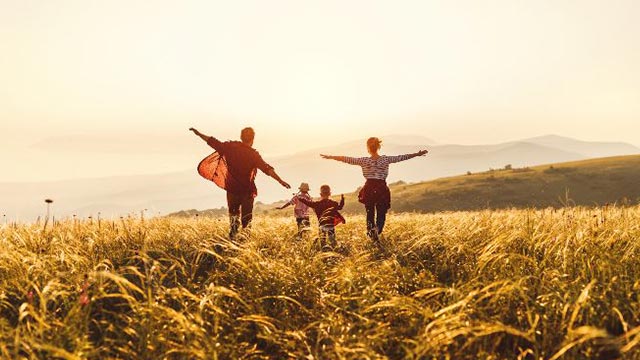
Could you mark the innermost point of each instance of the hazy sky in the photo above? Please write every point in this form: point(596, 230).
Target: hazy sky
point(304, 73)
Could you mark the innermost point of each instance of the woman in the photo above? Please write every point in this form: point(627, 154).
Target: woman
point(375, 194)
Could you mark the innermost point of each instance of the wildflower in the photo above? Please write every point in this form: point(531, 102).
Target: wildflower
point(84, 298)
point(84, 294)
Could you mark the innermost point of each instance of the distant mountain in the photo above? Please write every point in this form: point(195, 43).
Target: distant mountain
point(394, 139)
point(169, 192)
point(589, 149)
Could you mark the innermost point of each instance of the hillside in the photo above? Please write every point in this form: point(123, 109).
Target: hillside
point(588, 182)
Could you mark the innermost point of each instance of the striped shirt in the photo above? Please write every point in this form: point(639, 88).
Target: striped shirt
point(376, 168)
point(301, 210)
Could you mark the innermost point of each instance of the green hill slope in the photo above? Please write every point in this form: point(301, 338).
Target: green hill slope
point(589, 182)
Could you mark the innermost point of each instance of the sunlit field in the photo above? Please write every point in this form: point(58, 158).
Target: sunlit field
point(518, 284)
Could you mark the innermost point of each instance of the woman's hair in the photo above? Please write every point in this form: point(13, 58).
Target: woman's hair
point(373, 144)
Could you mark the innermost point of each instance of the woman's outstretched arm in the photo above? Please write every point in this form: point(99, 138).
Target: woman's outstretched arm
point(332, 157)
point(344, 159)
point(398, 158)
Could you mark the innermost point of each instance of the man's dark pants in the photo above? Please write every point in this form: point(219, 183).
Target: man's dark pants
point(240, 211)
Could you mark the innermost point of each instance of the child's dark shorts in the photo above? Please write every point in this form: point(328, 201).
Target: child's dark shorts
point(304, 221)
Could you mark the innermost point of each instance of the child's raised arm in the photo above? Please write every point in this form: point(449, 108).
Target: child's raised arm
point(284, 206)
point(309, 203)
point(341, 204)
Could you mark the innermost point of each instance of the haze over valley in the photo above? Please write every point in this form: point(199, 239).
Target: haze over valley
point(163, 193)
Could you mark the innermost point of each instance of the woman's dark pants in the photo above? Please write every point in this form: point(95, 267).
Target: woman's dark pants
point(375, 225)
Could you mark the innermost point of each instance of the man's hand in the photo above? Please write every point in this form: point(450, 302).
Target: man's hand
point(271, 172)
point(422, 153)
point(201, 135)
point(326, 156)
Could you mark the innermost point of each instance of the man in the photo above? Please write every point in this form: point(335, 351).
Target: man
point(233, 167)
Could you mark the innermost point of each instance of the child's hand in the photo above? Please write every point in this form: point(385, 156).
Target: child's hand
point(342, 196)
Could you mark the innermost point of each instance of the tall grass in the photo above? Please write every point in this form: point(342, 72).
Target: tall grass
point(514, 284)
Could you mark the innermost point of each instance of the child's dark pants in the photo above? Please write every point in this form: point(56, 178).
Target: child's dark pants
point(327, 235)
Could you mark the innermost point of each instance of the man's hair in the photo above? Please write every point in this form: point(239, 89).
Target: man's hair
point(373, 144)
point(325, 189)
point(247, 134)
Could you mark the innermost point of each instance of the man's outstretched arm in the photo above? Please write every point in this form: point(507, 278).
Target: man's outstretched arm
point(268, 169)
point(201, 135)
point(271, 172)
point(213, 142)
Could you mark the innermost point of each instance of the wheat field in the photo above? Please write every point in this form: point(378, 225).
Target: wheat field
point(511, 284)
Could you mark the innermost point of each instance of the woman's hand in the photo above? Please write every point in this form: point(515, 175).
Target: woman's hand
point(330, 157)
point(422, 153)
point(195, 131)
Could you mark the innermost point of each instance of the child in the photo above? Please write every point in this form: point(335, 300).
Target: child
point(300, 210)
point(328, 216)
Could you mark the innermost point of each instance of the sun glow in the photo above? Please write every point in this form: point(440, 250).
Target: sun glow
point(462, 72)
point(312, 90)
